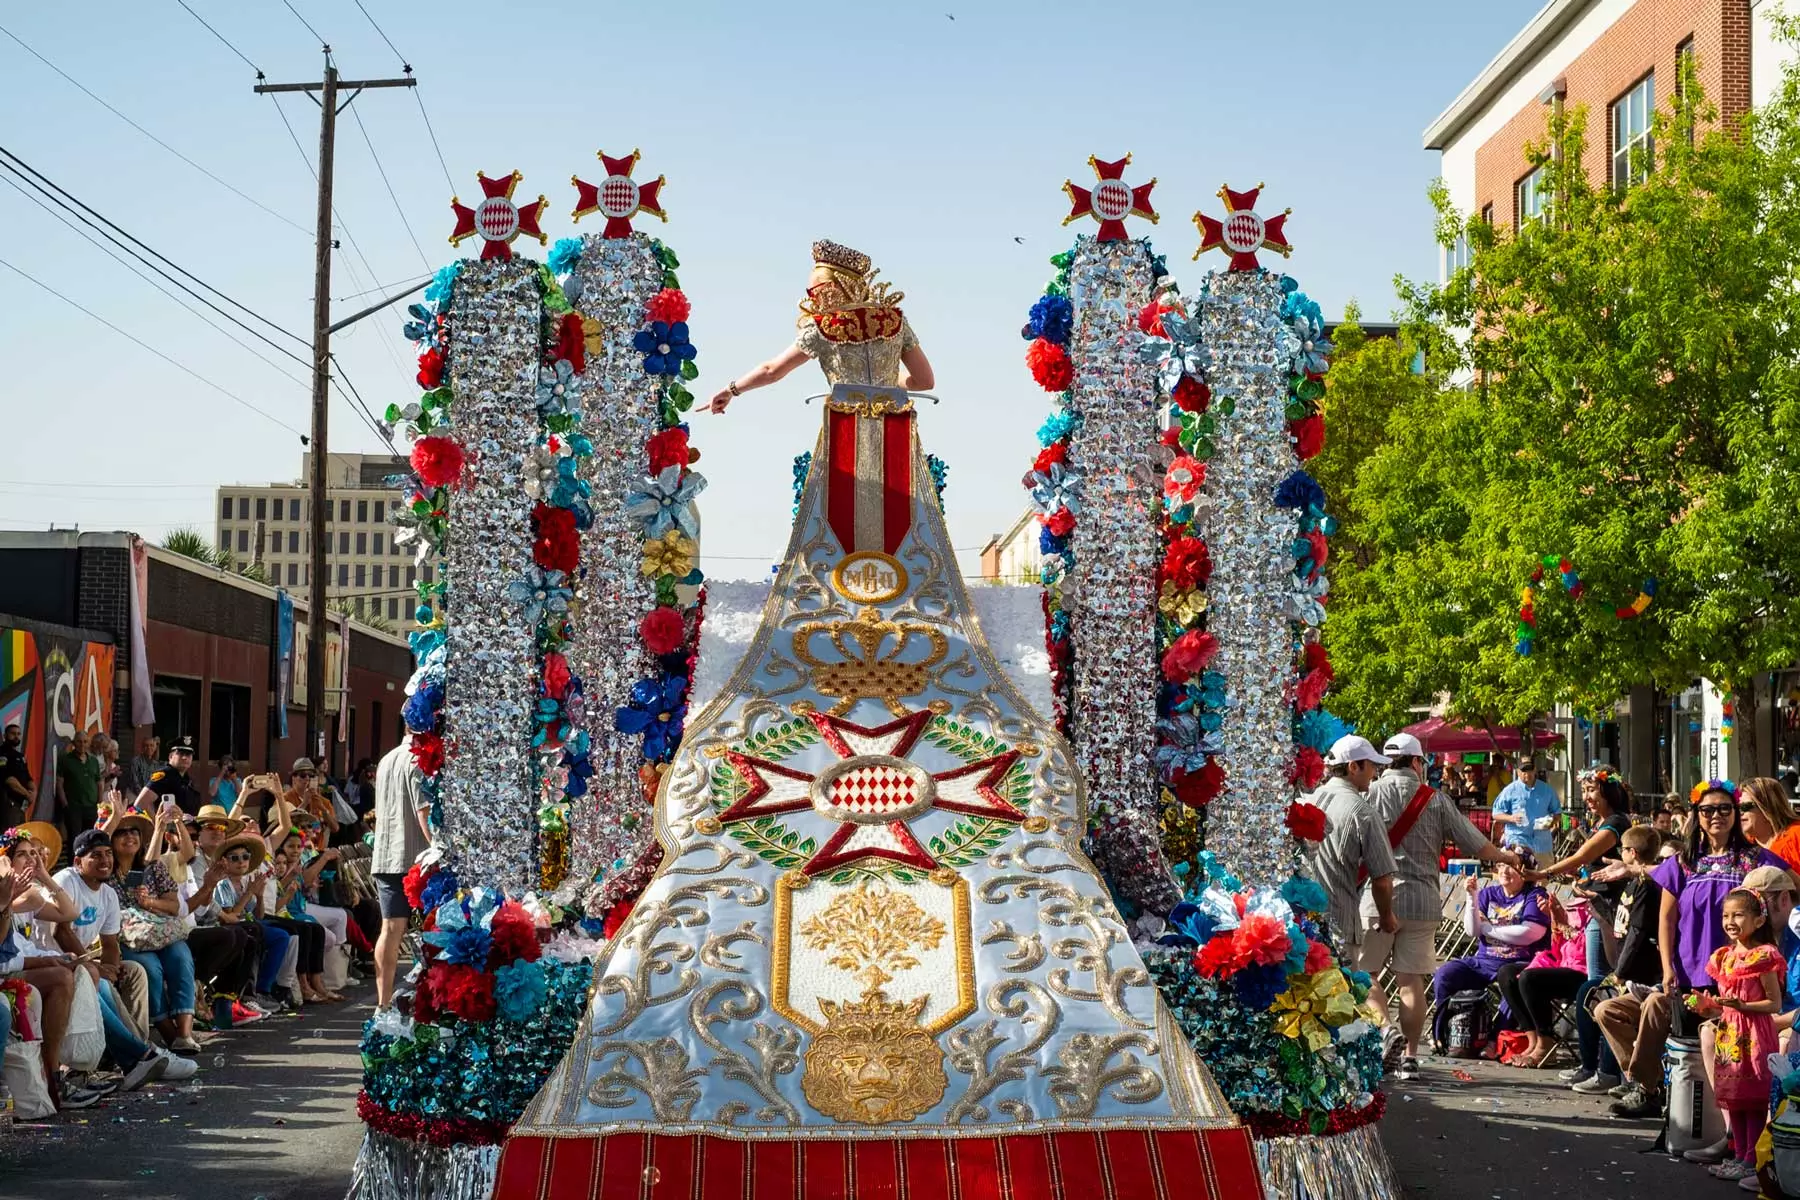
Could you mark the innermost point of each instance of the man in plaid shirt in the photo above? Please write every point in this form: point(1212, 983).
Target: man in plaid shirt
point(1425, 819)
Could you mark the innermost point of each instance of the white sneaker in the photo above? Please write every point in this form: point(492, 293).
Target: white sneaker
point(177, 1068)
point(1751, 1184)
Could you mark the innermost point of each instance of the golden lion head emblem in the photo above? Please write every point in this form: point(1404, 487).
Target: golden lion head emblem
point(873, 1063)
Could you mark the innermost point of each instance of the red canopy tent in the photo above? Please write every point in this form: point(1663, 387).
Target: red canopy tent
point(1439, 736)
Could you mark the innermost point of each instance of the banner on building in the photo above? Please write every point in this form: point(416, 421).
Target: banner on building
point(143, 702)
point(284, 658)
point(51, 688)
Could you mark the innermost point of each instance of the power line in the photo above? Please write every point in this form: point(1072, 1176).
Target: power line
point(182, 367)
point(385, 287)
point(122, 261)
point(382, 171)
point(221, 37)
point(44, 181)
point(172, 150)
point(384, 37)
point(425, 116)
point(303, 21)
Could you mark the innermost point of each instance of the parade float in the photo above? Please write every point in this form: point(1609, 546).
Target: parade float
point(869, 923)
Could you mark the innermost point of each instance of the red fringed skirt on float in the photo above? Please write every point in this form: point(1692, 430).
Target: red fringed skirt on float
point(1212, 1164)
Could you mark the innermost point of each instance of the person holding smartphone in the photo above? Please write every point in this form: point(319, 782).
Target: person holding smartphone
point(223, 787)
point(153, 932)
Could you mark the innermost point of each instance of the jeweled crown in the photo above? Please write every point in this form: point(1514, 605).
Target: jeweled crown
point(867, 662)
point(829, 253)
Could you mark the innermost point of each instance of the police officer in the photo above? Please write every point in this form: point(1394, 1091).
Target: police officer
point(16, 797)
point(172, 780)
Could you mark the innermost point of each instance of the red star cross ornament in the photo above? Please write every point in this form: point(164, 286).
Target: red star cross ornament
point(497, 219)
point(618, 197)
point(871, 791)
point(1111, 200)
point(1243, 232)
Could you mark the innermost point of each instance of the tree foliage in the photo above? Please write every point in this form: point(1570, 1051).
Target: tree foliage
point(1616, 383)
point(190, 543)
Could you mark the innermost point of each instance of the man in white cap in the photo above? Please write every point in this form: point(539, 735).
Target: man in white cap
point(1354, 846)
point(1417, 820)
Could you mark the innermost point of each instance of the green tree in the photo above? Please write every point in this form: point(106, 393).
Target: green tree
point(1633, 404)
point(190, 543)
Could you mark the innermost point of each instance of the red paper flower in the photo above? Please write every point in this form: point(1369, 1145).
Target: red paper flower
point(1263, 940)
point(1198, 788)
point(1049, 456)
point(1171, 437)
point(1306, 821)
point(1060, 522)
point(431, 368)
point(1188, 656)
point(615, 919)
point(438, 461)
point(557, 546)
point(1221, 956)
point(1313, 658)
point(428, 753)
point(662, 630)
point(1185, 477)
point(556, 675)
point(414, 885)
point(1050, 365)
point(1318, 957)
point(667, 306)
point(428, 1000)
point(514, 935)
point(1190, 395)
point(1186, 564)
point(1318, 548)
point(1308, 434)
point(669, 448)
point(465, 991)
point(1308, 768)
point(1309, 693)
point(571, 341)
point(1149, 318)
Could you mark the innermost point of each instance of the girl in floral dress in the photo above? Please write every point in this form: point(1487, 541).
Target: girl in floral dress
point(1748, 971)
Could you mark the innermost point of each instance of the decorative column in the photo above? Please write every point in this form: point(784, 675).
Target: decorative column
point(1100, 514)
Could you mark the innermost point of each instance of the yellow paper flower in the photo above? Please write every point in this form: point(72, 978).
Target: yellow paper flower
point(1312, 1005)
point(593, 335)
point(1184, 608)
point(671, 554)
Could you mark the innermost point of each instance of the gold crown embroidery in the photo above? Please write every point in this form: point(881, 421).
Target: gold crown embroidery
point(862, 668)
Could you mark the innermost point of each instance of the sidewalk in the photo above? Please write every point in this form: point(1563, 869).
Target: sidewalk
point(271, 1115)
point(1509, 1133)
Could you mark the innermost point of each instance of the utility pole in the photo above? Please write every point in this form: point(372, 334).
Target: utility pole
point(326, 98)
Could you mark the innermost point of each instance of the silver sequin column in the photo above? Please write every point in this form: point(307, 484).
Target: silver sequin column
point(1117, 674)
point(1253, 570)
point(610, 827)
point(490, 812)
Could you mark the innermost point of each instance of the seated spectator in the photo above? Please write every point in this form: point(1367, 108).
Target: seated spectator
point(1511, 922)
point(1635, 927)
point(284, 906)
point(1554, 975)
point(1694, 883)
point(153, 931)
point(224, 955)
point(53, 981)
point(1768, 819)
point(237, 901)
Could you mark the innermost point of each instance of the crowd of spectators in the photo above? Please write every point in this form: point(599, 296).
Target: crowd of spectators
point(160, 911)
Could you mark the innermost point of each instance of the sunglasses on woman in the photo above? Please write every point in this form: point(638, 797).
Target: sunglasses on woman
point(1713, 810)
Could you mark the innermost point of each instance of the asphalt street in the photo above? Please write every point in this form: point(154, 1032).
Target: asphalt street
point(271, 1115)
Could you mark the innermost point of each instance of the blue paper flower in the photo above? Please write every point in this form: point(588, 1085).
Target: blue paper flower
point(468, 945)
point(1049, 543)
point(1053, 319)
point(541, 592)
point(578, 765)
point(439, 887)
point(665, 501)
point(1257, 986)
point(421, 708)
point(1304, 894)
point(557, 390)
point(1299, 490)
point(1059, 487)
point(519, 989)
point(564, 255)
point(424, 324)
point(1295, 962)
point(656, 711)
point(665, 347)
point(1058, 426)
point(1192, 922)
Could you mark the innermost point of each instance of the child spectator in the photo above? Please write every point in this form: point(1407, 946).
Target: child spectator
point(1748, 971)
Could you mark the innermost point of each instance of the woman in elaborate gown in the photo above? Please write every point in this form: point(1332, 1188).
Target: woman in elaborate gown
point(874, 961)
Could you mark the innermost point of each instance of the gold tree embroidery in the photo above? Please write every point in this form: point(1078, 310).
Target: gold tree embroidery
point(872, 931)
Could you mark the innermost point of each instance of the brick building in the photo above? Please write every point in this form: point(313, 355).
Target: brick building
point(211, 645)
point(1619, 58)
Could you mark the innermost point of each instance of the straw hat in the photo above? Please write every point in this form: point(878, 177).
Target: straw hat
point(47, 834)
point(138, 821)
point(259, 850)
point(215, 814)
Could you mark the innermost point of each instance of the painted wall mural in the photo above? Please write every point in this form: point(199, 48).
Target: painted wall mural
point(51, 687)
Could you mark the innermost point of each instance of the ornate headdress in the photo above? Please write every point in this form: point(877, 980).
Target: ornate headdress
point(828, 253)
point(855, 305)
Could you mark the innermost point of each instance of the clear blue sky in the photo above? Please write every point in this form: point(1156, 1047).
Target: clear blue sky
point(930, 142)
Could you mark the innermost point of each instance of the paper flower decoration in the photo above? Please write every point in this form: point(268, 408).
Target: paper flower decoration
point(1058, 488)
point(1177, 354)
point(664, 346)
point(556, 389)
point(1306, 821)
point(655, 711)
point(1243, 231)
point(664, 501)
point(497, 219)
point(540, 592)
point(1183, 480)
point(438, 461)
point(671, 554)
point(1050, 365)
point(1110, 200)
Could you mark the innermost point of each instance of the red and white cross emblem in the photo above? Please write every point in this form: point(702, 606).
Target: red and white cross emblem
point(618, 197)
point(1110, 200)
point(1243, 231)
point(497, 219)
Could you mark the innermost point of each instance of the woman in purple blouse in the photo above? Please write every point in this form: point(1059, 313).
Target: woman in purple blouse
point(1695, 883)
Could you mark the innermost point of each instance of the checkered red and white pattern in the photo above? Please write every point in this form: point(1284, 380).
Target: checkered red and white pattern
point(875, 788)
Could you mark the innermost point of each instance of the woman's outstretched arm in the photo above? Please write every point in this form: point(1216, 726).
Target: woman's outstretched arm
point(918, 376)
point(773, 371)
